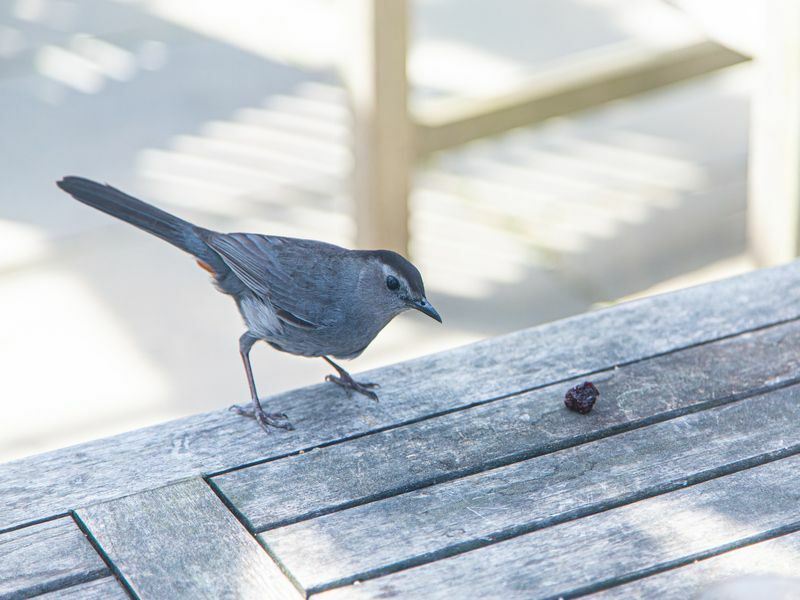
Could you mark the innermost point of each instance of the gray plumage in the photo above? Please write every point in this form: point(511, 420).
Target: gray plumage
point(301, 296)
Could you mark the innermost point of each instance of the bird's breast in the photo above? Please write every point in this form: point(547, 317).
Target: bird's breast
point(342, 335)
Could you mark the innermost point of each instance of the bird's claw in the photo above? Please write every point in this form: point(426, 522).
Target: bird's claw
point(277, 420)
point(265, 419)
point(351, 384)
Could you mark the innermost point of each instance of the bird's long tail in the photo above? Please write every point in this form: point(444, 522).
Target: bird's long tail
point(168, 227)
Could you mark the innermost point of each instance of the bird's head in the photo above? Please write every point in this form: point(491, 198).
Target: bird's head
point(396, 284)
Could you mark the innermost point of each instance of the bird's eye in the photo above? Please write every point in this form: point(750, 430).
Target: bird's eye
point(392, 283)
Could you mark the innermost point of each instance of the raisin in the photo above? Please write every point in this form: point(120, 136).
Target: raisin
point(582, 397)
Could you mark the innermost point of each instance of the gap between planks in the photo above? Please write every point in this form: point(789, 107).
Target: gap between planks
point(665, 567)
point(105, 588)
point(181, 540)
point(35, 522)
point(115, 572)
point(511, 533)
point(774, 558)
point(635, 541)
point(47, 557)
point(243, 522)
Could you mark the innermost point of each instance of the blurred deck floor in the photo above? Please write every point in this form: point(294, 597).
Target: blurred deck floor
point(104, 329)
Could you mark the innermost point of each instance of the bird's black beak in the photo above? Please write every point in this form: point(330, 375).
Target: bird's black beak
point(423, 306)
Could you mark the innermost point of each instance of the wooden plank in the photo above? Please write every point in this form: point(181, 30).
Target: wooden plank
point(180, 541)
point(776, 558)
point(45, 557)
point(580, 556)
point(147, 458)
point(107, 588)
point(585, 82)
point(374, 70)
point(444, 520)
point(773, 209)
point(490, 435)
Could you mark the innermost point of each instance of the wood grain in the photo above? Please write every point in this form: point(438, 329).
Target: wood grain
point(461, 515)
point(144, 459)
point(595, 551)
point(776, 558)
point(180, 541)
point(399, 460)
point(46, 557)
point(107, 588)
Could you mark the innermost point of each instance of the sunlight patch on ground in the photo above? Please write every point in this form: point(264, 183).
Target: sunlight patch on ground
point(269, 29)
point(70, 69)
point(84, 371)
point(111, 60)
point(20, 244)
point(281, 168)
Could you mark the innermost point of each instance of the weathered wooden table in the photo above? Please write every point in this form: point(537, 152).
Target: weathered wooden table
point(469, 479)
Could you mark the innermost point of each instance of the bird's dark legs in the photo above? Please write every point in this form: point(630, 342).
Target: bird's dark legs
point(266, 420)
point(346, 381)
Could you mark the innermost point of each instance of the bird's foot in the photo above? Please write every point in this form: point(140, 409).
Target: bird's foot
point(265, 419)
point(347, 382)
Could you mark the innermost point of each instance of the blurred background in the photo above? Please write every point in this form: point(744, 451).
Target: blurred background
point(553, 156)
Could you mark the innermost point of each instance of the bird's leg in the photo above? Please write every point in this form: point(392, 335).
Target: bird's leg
point(346, 381)
point(266, 420)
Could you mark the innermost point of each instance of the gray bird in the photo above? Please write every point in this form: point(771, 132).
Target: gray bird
point(300, 296)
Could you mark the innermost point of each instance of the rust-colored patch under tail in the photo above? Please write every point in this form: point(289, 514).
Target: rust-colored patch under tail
point(206, 267)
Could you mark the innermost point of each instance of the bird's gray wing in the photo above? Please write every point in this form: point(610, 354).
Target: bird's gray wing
point(292, 274)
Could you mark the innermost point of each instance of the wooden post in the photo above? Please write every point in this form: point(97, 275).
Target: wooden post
point(774, 195)
point(375, 74)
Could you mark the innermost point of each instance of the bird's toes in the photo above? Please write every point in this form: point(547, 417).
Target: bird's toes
point(274, 420)
point(283, 424)
point(354, 386)
point(363, 389)
point(241, 411)
point(348, 385)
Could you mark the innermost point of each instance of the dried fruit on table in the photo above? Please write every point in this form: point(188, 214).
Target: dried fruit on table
point(582, 397)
